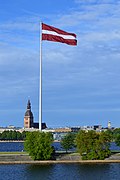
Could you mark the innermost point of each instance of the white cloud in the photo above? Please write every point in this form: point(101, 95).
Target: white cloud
point(97, 1)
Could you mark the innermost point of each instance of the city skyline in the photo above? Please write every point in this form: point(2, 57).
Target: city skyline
point(80, 84)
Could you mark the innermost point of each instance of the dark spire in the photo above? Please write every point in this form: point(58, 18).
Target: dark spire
point(28, 111)
point(29, 105)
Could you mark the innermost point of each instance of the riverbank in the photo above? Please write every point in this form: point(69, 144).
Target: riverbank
point(13, 158)
point(61, 162)
point(1, 141)
point(21, 141)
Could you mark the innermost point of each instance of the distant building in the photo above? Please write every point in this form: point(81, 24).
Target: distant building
point(109, 125)
point(97, 127)
point(87, 128)
point(29, 119)
point(36, 125)
point(75, 129)
point(63, 130)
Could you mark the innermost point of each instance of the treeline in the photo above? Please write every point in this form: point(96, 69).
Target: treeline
point(12, 135)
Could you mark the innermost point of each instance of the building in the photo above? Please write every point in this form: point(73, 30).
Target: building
point(63, 130)
point(29, 119)
point(109, 125)
point(75, 129)
point(97, 127)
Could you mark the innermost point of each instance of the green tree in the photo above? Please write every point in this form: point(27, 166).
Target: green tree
point(117, 140)
point(116, 136)
point(38, 145)
point(110, 134)
point(9, 135)
point(14, 135)
point(116, 132)
point(4, 135)
point(104, 142)
point(67, 141)
point(19, 136)
point(92, 145)
point(23, 135)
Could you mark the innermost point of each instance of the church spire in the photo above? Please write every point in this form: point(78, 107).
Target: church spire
point(28, 105)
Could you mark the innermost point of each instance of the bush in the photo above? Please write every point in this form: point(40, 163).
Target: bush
point(92, 145)
point(38, 145)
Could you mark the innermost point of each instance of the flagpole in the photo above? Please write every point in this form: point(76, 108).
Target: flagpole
point(40, 83)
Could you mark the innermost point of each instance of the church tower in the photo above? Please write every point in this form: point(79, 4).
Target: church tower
point(109, 125)
point(28, 118)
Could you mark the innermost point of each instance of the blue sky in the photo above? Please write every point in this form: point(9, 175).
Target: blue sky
point(80, 84)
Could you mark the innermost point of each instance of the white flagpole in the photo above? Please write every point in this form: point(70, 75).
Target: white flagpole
point(40, 83)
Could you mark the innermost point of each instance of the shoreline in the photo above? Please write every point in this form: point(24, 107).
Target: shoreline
point(11, 141)
point(26, 159)
point(20, 141)
point(61, 162)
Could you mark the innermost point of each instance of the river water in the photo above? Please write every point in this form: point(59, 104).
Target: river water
point(75, 171)
point(18, 146)
point(61, 172)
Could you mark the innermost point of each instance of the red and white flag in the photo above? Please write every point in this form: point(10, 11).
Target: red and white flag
point(51, 33)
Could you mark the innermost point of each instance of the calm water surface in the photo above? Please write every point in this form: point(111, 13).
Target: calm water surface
point(11, 146)
point(18, 146)
point(60, 172)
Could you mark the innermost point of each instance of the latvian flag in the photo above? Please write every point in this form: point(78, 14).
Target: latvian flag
point(51, 33)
